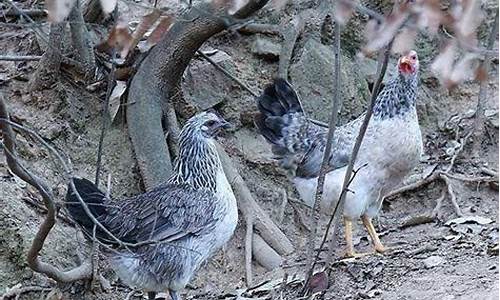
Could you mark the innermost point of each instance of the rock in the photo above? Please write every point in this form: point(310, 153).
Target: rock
point(203, 85)
point(433, 261)
point(312, 76)
point(266, 49)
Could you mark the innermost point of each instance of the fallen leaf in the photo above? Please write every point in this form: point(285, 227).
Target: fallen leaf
point(114, 99)
point(58, 10)
point(469, 219)
point(108, 5)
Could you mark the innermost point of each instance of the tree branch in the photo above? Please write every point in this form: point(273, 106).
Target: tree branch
point(84, 271)
point(315, 213)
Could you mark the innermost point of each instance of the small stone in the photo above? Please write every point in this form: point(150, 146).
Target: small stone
point(266, 49)
point(433, 261)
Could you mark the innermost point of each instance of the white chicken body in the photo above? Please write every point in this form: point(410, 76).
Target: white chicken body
point(390, 149)
point(383, 167)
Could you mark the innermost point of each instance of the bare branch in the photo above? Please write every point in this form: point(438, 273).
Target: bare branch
point(81, 272)
point(315, 213)
point(105, 117)
point(20, 57)
point(248, 250)
point(381, 68)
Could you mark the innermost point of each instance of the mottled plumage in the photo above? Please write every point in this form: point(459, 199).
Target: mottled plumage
point(390, 150)
point(193, 215)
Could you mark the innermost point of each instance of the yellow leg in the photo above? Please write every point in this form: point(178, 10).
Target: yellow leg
point(367, 221)
point(348, 240)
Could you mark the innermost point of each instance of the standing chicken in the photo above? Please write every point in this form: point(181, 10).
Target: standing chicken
point(390, 150)
point(192, 215)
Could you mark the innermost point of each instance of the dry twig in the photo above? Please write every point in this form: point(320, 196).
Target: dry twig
point(314, 217)
point(248, 249)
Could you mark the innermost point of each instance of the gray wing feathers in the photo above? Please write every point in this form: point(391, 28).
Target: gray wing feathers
point(168, 213)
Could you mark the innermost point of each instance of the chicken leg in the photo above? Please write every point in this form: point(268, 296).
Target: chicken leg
point(348, 239)
point(367, 221)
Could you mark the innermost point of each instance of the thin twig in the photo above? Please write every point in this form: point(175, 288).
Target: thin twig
point(314, 217)
point(18, 291)
point(105, 115)
point(34, 262)
point(243, 85)
point(248, 250)
point(225, 72)
point(453, 197)
point(489, 172)
point(20, 57)
point(381, 68)
point(284, 202)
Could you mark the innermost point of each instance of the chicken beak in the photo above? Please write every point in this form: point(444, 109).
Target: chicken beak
point(405, 60)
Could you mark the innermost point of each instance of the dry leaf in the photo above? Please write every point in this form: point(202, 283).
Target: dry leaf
point(430, 15)
point(108, 5)
point(119, 38)
point(343, 12)
point(464, 68)
point(471, 17)
point(385, 32)
point(404, 41)
point(442, 65)
point(160, 30)
point(58, 10)
point(114, 99)
point(146, 23)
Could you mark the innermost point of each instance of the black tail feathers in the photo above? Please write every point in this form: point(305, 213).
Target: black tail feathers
point(278, 99)
point(93, 197)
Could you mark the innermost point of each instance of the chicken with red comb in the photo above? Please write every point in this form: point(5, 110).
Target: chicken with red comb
point(390, 150)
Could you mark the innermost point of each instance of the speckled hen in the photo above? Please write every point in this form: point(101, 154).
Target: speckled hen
point(192, 215)
point(390, 150)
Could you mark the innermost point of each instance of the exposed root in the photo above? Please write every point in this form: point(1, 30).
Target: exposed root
point(248, 250)
point(16, 291)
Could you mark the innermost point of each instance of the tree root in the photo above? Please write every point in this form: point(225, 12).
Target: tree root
point(16, 291)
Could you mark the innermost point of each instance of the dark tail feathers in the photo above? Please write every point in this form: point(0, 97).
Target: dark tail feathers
point(93, 197)
point(277, 100)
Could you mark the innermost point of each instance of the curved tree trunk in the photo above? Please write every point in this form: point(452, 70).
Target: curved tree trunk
point(158, 79)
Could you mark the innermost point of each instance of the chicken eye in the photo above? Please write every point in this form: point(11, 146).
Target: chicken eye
point(210, 123)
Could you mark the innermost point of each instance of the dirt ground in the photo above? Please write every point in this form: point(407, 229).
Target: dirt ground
point(433, 260)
